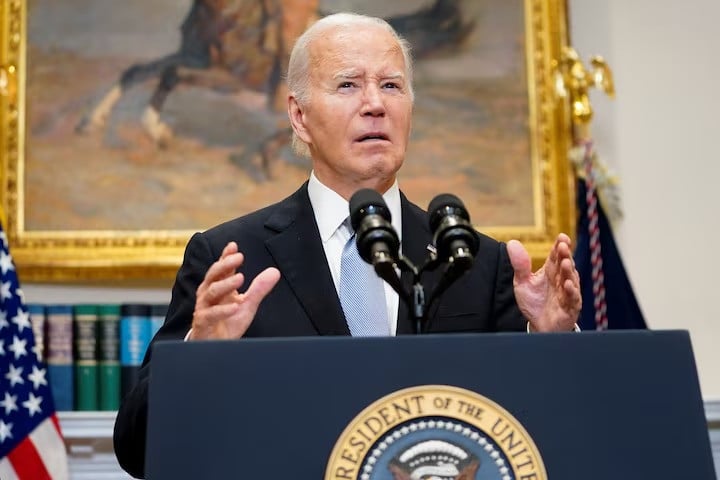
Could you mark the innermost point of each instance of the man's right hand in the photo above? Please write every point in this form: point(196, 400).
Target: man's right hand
point(221, 312)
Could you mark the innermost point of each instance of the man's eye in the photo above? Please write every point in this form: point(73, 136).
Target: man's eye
point(346, 85)
point(391, 85)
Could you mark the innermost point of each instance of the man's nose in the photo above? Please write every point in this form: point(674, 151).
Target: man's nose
point(373, 104)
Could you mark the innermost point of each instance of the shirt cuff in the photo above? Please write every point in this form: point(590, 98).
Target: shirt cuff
point(576, 328)
point(187, 335)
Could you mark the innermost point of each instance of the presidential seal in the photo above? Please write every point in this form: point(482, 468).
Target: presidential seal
point(435, 432)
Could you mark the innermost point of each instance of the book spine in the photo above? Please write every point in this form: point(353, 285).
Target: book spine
point(158, 311)
point(135, 329)
point(109, 357)
point(37, 320)
point(85, 324)
point(60, 355)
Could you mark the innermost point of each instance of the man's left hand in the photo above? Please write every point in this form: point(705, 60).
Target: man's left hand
point(550, 298)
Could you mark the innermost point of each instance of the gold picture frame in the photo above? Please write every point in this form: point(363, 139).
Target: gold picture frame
point(71, 254)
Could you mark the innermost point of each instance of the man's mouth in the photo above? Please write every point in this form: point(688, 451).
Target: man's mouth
point(372, 136)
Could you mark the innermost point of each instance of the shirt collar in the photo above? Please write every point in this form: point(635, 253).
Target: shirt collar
point(331, 209)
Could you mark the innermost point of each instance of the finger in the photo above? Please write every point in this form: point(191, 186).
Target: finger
point(220, 270)
point(567, 264)
point(520, 260)
point(224, 267)
point(564, 238)
point(553, 255)
point(228, 258)
point(572, 298)
point(570, 279)
point(560, 252)
point(221, 291)
point(552, 262)
point(237, 324)
point(567, 269)
point(260, 287)
point(561, 249)
point(230, 248)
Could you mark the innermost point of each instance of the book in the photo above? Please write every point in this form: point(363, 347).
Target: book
point(85, 333)
point(37, 320)
point(135, 336)
point(109, 357)
point(59, 344)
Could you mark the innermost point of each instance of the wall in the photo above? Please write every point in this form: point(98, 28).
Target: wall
point(660, 135)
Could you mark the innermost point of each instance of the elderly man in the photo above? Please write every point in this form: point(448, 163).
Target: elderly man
point(350, 103)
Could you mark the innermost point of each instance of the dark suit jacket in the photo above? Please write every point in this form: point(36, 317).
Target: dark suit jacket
point(304, 302)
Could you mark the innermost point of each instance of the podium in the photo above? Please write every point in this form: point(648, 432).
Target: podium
point(593, 406)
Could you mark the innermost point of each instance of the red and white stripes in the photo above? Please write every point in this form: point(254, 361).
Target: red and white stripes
point(598, 278)
point(40, 456)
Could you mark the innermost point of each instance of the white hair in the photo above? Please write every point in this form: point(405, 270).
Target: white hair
point(298, 74)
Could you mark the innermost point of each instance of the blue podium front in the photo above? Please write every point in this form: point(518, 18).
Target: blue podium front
point(596, 406)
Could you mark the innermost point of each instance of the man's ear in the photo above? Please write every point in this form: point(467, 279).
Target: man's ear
point(297, 119)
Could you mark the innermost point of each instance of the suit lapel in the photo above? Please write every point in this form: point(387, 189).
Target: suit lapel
point(299, 254)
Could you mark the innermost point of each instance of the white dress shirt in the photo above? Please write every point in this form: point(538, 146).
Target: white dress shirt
point(331, 210)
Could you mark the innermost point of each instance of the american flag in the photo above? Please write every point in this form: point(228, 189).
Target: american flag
point(608, 298)
point(31, 443)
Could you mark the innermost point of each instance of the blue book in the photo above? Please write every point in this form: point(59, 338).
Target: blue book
point(59, 354)
point(135, 336)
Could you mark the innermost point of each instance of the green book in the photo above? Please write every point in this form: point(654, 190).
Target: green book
point(109, 357)
point(85, 323)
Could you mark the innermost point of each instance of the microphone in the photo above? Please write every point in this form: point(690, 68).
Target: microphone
point(454, 237)
point(376, 239)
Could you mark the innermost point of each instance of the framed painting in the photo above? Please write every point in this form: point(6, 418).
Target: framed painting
point(128, 126)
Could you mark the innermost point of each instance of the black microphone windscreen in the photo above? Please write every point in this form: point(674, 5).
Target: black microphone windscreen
point(365, 202)
point(444, 204)
point(445, 200)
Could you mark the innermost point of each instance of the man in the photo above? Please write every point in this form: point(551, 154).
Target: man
point(350, 103)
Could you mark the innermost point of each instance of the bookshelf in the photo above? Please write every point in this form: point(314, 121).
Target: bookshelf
point(712, 413)
point(88, 436)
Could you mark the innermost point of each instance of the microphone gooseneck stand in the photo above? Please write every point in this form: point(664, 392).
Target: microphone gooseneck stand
point(455, 243)
point(386, 269)
point(418, 302)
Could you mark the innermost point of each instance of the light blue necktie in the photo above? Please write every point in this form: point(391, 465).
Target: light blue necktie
point(362, 294)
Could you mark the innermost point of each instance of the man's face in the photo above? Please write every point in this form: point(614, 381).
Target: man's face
point(357, 119)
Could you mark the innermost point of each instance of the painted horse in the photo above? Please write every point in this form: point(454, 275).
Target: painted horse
point(235, 45)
